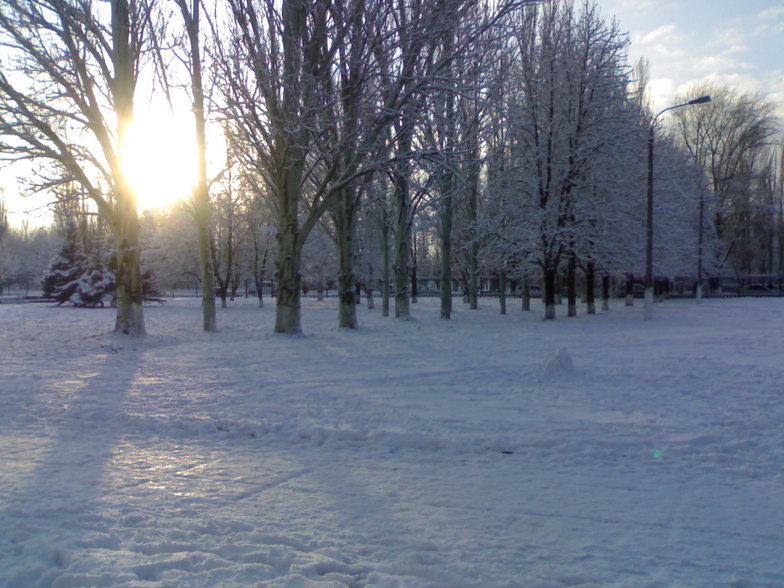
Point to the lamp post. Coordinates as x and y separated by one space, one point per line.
648 311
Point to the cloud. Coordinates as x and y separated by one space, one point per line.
658 33
636 4
715 64
772 12
667 52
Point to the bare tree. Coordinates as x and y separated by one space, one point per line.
66 98
729 139
191 14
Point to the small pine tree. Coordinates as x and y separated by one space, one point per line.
61 279
94 286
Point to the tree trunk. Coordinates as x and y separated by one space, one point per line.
605 292
629 290
402 234
549 292
201 198
526 294
288 278
345 222
590 278
446 258
130 297
386 269
288 177
414 281
571 286
473 277
502 291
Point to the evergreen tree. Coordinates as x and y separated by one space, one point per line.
95 284
61 279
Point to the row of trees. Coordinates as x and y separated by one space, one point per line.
503 138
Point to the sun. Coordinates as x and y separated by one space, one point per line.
159 157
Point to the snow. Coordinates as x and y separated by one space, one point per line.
488 450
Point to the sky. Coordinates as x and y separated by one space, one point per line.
738 44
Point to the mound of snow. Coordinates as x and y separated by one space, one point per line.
558 363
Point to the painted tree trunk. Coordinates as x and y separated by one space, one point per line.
590 279
320 285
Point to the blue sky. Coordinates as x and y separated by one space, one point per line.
735 43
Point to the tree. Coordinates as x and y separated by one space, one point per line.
171 247
570 68
228 233
729 139
3 231
61 279
319 93
191 14
66 100
95 284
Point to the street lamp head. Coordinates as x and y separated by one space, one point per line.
700 100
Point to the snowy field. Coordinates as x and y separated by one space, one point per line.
486 451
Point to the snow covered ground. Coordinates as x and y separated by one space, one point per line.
486 451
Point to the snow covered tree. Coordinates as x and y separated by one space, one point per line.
61 279
571 65
94 286
314 91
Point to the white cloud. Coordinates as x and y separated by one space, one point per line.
658 33
772 12
715 64
667 52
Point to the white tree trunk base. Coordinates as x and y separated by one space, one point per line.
648 311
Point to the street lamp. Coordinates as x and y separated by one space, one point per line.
648 312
